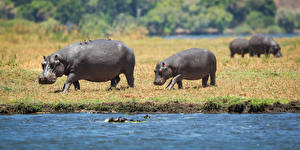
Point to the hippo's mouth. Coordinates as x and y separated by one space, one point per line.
278 55
159 82
47 81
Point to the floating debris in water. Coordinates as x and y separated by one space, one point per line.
147 117
122 120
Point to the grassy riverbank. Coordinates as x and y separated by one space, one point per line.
263 81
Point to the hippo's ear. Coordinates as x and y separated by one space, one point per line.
164 64
57 57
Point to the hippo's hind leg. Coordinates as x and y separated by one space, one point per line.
76 85
114 82
212 79
204 81
130 78
231 54
251 53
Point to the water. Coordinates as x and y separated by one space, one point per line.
212 36
161 131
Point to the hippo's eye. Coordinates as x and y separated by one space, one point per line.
53 65
160 71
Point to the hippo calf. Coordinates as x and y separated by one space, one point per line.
191 64
239 46
263 44
97 61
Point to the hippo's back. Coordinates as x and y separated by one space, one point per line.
259 43
238 45
258 39
195 54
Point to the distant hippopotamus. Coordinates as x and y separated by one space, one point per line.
97 61
263 44
239 46
191 64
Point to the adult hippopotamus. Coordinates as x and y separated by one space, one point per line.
191 64
263 44
97 61
239 46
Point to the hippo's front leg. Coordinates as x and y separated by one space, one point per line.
70 80
179 83
174 80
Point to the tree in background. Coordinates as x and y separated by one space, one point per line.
266 7
37 10
20 2
164 18
159 17
285 19
256 20
69 11
239 9
219 18
94 25
7 9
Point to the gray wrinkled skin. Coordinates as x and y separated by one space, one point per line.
239 46
263 44
96 61
191 64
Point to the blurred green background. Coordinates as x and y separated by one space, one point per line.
153 17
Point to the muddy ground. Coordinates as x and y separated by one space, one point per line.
150 107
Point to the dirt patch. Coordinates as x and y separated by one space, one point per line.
151 107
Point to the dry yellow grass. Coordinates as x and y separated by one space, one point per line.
254 78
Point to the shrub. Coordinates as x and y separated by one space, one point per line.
257 20
274 29
243 29
285 19
94 25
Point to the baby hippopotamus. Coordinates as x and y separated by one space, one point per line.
239 46
263 44
191 64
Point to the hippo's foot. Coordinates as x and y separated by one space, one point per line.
57 91
204 86
199 87
212 85
112 88
170 88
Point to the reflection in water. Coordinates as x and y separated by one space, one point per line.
161 131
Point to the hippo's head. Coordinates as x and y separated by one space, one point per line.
275 49
162 73
52 68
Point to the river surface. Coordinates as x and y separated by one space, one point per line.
161 131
